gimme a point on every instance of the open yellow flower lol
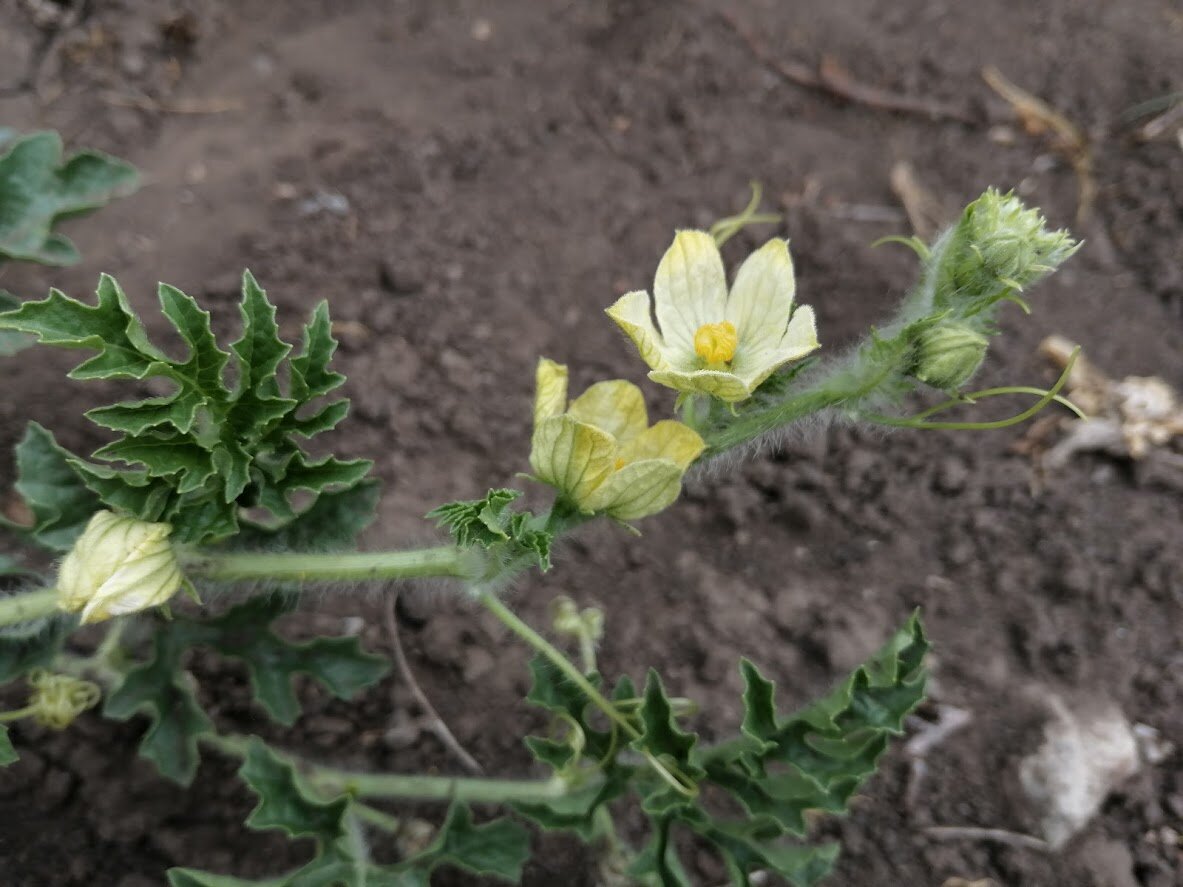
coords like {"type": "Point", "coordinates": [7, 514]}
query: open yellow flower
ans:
{"type": "Point", "coordinates": [712, 342]}
{"type": "Point", "coordinates": [601, 451]}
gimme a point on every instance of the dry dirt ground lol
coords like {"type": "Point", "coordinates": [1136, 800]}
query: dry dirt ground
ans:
{"type": "Point", "coordinates": [469, 185]}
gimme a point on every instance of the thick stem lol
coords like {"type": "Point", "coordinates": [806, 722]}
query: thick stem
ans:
{"type": "Point", "coordinates": [446, 560]}
{"type": "Point", "coordinates": [28, 605]}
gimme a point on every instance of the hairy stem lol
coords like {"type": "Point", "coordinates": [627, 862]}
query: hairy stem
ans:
{"type": "Point", "coordinates": [445, 560]}
{"type": "Point", "coordinates": [28, 605]}
{"type": "Point", "coordinates": [410, 786]}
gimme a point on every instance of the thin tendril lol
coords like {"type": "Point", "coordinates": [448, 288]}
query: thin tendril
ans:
{"type": "Point", "coordinates": [1045, 397]}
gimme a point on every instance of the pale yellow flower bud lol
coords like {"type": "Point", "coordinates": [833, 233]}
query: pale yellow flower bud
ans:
{"type": "Point", "coordinates": [600, 450]}
{"type": "Point", "coordinates": [118, 565]}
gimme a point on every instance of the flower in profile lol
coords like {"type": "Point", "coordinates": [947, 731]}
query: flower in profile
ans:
{"type": "Point", "coordinates": [118, 565]}
{"type": "Point", "coordinates": [601, 452]}
{"type": "Point", "coordinates": [711, 341]}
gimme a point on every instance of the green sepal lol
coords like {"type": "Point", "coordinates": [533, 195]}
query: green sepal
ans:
{"type": "Point", "coordinates": [491, 523]}
{"type": "Point", "coordinates": [38, 187]}
{"type": "Point", "coordinates": [8, 754]}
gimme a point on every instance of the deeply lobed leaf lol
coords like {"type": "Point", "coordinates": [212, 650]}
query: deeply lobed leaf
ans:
{"type": "Point", "coordinates": [38, 187]}
{"type": "Point", "coordinates": [198, 455]}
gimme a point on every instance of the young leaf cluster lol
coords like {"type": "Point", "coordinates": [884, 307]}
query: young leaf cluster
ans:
{"type": "Point", "coordinates": [780, 767]}
{"type": "Point", "coordinates": [38, 187]}
{"type": "Point", "coordinates": [491, 524]}
{"type": "Point", "coordinates": [196, 456]}
{"type": "Point", "coordinates": [161, 687]}
{"type": "Point", "coordinates": [497, 849]}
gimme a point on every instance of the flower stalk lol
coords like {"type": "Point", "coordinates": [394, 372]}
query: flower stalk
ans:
{"type": "Point", "coordinates": [28, 605]}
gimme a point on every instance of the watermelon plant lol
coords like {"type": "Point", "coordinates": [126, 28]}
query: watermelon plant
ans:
{"type": "Point", "coordinates": [205, 519]}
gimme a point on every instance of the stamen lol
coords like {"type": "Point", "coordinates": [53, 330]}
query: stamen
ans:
{"type": "Point", "coordinates": [715, 343]}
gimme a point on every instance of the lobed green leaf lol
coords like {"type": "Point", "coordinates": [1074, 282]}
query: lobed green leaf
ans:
{"type": "Point", "coordinates": [38, 187]}
{"type": "Point", "coordinates": [195, 457]}
{"type": "Point", "coordinates": [8, 754]}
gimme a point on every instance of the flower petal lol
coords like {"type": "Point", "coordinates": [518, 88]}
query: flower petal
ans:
{"type": "Point", "coordinates": [572, 456]}
{"type": "Point", "coordinates": [139, 583]}
{"type": "Point", "coordinates": [667, 440]}
{"type": "Point", "coordinates": [631, 313]}
{"type": "Point", "coordinates": [617, 407]}
{"type": "Point", "coordinates": [801, 336]}
{"type": "Point", "coordinates": [762, 297]}
{"type": "Point", "coordinates": [690, 289]}
{"type": "Point", "coordinates": [725, 386]}
{"type": "Point", "coordinates": [550, 390]}
{"type": "Point", "coordinates": [639, 489]}
{"type": "Point", "coordinates": [799, 339]}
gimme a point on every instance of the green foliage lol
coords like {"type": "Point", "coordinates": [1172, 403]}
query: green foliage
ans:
{"type": "Point", "coordinates": [161, 687]}
{"type": "Point", "coordinates": [493, 525]}
{"type": "Point", "coordinates": [497, 849]}
{"type": "Point", "coordinates": [201, 453]}
{"type": "Point", "coordinates": [38, 187]}
{"type": "Point", "coordinates": [10, 342]}
{"type": "Point", "coordinates": [7, 752]}
{"type": "Point", "coordinates": [777, 770]}
{"type": "Point", "coordinates": [23, 648]}
{"type": "Point", "coordinates": [332, 523]}
{"type": "Point", "coordinates": [60, 502]}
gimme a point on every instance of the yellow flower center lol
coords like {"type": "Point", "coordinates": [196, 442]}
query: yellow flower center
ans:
{"type": "Point", "coordinates": [619, 463]}
{"type": "Point", "coordinates": [716, 342]}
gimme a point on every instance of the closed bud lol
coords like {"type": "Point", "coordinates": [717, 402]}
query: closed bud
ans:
{"type": "Point", "coordinates": [118, 565]}
{"type": "Point", "coordinates": [948, 355]}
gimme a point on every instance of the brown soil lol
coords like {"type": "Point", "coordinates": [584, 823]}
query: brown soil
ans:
{"type": "Point", "coordinates": [469, 185]}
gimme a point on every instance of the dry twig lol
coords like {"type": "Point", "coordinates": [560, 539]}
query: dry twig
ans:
{"type": "Point", "coordinates": [834, 80]}
{"type": "Point", "coordinates": [432, 719]}
{"type": "Point", "coordinates": [174, 106]}
{"type": "Point", "coordinates": [998, 835]}
{"type": "Point", "coordinates": [925, 214]}
{"type": "Point", "coordinates": [1067, 139]}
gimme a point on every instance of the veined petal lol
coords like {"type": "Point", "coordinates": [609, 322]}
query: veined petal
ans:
{"type": "Point", "coordinates": [717, 383]}
{"type": "Point", "coordinates": [667, 440]}
{"type": "Point", "coordinates": [690, 289]}
{"type": "Point", "coordinates": [617, 407]}
{"type": "Point", "coordinates": [799, 339]}
{"type": "Point", "coordinates": [144, 582]}
{"type": "Point", "coordinates": [572, 456]}
{"type": "Point", "coordinates": [801, 336]}
{"type": "Point", "coordinates": [762, 297]}
{"type": "Point", "coordinates": [639, 489]}
{"type": "Point", "coordinates": [631, 313]}
{"type": "Point", "coordinates": [550, 390]}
